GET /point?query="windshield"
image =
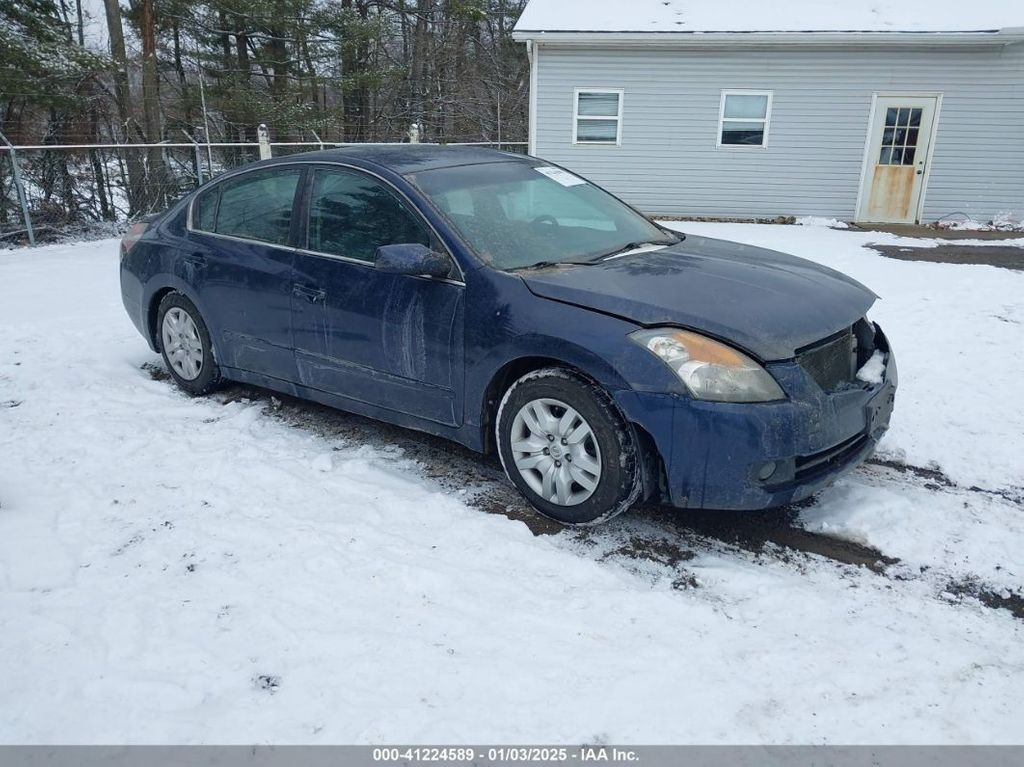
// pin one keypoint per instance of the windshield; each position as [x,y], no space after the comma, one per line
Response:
[515,215]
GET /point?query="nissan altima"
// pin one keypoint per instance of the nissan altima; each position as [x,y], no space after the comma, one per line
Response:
[514,307]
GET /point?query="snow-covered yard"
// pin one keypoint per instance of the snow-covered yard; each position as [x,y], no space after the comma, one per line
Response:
[224,570]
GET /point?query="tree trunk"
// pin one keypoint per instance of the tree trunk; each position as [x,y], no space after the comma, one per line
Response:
[81,24]
[123,96]
[179,67]
[156,176]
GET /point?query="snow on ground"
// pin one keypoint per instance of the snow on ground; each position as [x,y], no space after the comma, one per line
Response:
[195,570]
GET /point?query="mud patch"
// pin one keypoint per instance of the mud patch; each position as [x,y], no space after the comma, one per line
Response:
[156,372]
[1002,256]
[267,682]
[997,600]
[659,550]
[935,479]
[773,533]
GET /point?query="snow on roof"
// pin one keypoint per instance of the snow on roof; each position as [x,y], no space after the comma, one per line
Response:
[764,16]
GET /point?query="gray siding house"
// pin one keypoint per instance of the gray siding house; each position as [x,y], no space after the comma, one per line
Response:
[872,111]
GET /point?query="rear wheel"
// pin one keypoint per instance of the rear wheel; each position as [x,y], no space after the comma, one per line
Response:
[185,345]
[564,444]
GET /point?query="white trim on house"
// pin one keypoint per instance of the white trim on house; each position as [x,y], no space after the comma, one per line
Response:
[576,116]
[722,119]
[866,155]
[533,53]
[928,160]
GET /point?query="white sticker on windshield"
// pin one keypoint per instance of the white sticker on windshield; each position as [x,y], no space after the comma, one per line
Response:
[563,177]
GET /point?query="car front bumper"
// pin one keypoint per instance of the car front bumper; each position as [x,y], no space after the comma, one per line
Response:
[734,456]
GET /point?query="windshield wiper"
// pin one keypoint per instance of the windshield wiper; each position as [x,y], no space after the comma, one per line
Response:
[626,248]
[545,264]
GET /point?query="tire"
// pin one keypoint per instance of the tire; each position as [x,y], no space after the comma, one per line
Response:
[539,439]
[184,339]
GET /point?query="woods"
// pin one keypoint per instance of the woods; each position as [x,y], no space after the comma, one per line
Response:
[173,71]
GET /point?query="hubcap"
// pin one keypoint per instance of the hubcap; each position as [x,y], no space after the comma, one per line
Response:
[182,344]
[555,451]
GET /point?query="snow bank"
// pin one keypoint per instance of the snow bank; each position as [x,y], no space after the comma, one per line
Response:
[831,223]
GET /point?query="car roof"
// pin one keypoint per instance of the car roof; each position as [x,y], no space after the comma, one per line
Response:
[406,158]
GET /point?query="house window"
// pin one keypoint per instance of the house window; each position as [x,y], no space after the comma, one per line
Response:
[597,116]
[743,118]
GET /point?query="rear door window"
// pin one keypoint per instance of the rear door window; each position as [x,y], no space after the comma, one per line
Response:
[351,215]
[258,206]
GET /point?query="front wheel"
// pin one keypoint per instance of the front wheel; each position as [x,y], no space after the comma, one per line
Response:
[565,446]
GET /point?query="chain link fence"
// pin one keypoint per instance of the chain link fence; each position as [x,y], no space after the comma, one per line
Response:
[50,193]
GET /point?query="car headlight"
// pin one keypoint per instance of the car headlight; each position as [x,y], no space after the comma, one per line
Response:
[709,369]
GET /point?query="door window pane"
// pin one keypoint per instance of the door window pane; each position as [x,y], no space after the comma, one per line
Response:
[899,139]
[258,206]
[352,215]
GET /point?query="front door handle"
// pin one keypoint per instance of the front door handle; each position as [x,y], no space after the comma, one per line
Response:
[196,260]
[313,295]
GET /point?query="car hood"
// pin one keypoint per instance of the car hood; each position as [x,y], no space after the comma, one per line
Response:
[768,303]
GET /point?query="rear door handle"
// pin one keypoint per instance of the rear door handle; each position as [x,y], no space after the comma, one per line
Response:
[313,295]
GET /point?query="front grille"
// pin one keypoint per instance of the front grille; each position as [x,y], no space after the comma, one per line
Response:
[809,466]
[833,362]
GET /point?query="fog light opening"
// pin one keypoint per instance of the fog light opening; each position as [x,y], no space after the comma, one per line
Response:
[767,470]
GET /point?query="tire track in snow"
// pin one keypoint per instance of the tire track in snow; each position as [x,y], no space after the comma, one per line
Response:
[649,538]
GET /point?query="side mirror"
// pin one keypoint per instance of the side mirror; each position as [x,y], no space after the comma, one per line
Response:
[412,258]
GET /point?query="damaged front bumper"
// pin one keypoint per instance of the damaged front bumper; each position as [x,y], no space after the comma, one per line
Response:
[732,456]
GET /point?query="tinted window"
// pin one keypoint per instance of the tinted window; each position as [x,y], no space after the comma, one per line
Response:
[259,206]
[204,209]
[352,215]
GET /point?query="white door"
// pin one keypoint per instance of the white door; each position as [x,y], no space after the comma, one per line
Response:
[897,152]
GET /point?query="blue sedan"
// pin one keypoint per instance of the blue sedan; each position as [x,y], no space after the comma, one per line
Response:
[514,307]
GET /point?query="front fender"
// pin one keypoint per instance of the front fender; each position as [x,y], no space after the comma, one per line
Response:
[518,330]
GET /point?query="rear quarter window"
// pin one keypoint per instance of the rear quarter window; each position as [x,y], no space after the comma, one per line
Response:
[204,210]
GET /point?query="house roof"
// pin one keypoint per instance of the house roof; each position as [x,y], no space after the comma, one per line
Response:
[758,16]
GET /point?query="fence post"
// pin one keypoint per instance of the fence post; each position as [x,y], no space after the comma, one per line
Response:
[21,191]
[263,136]
[197,164]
